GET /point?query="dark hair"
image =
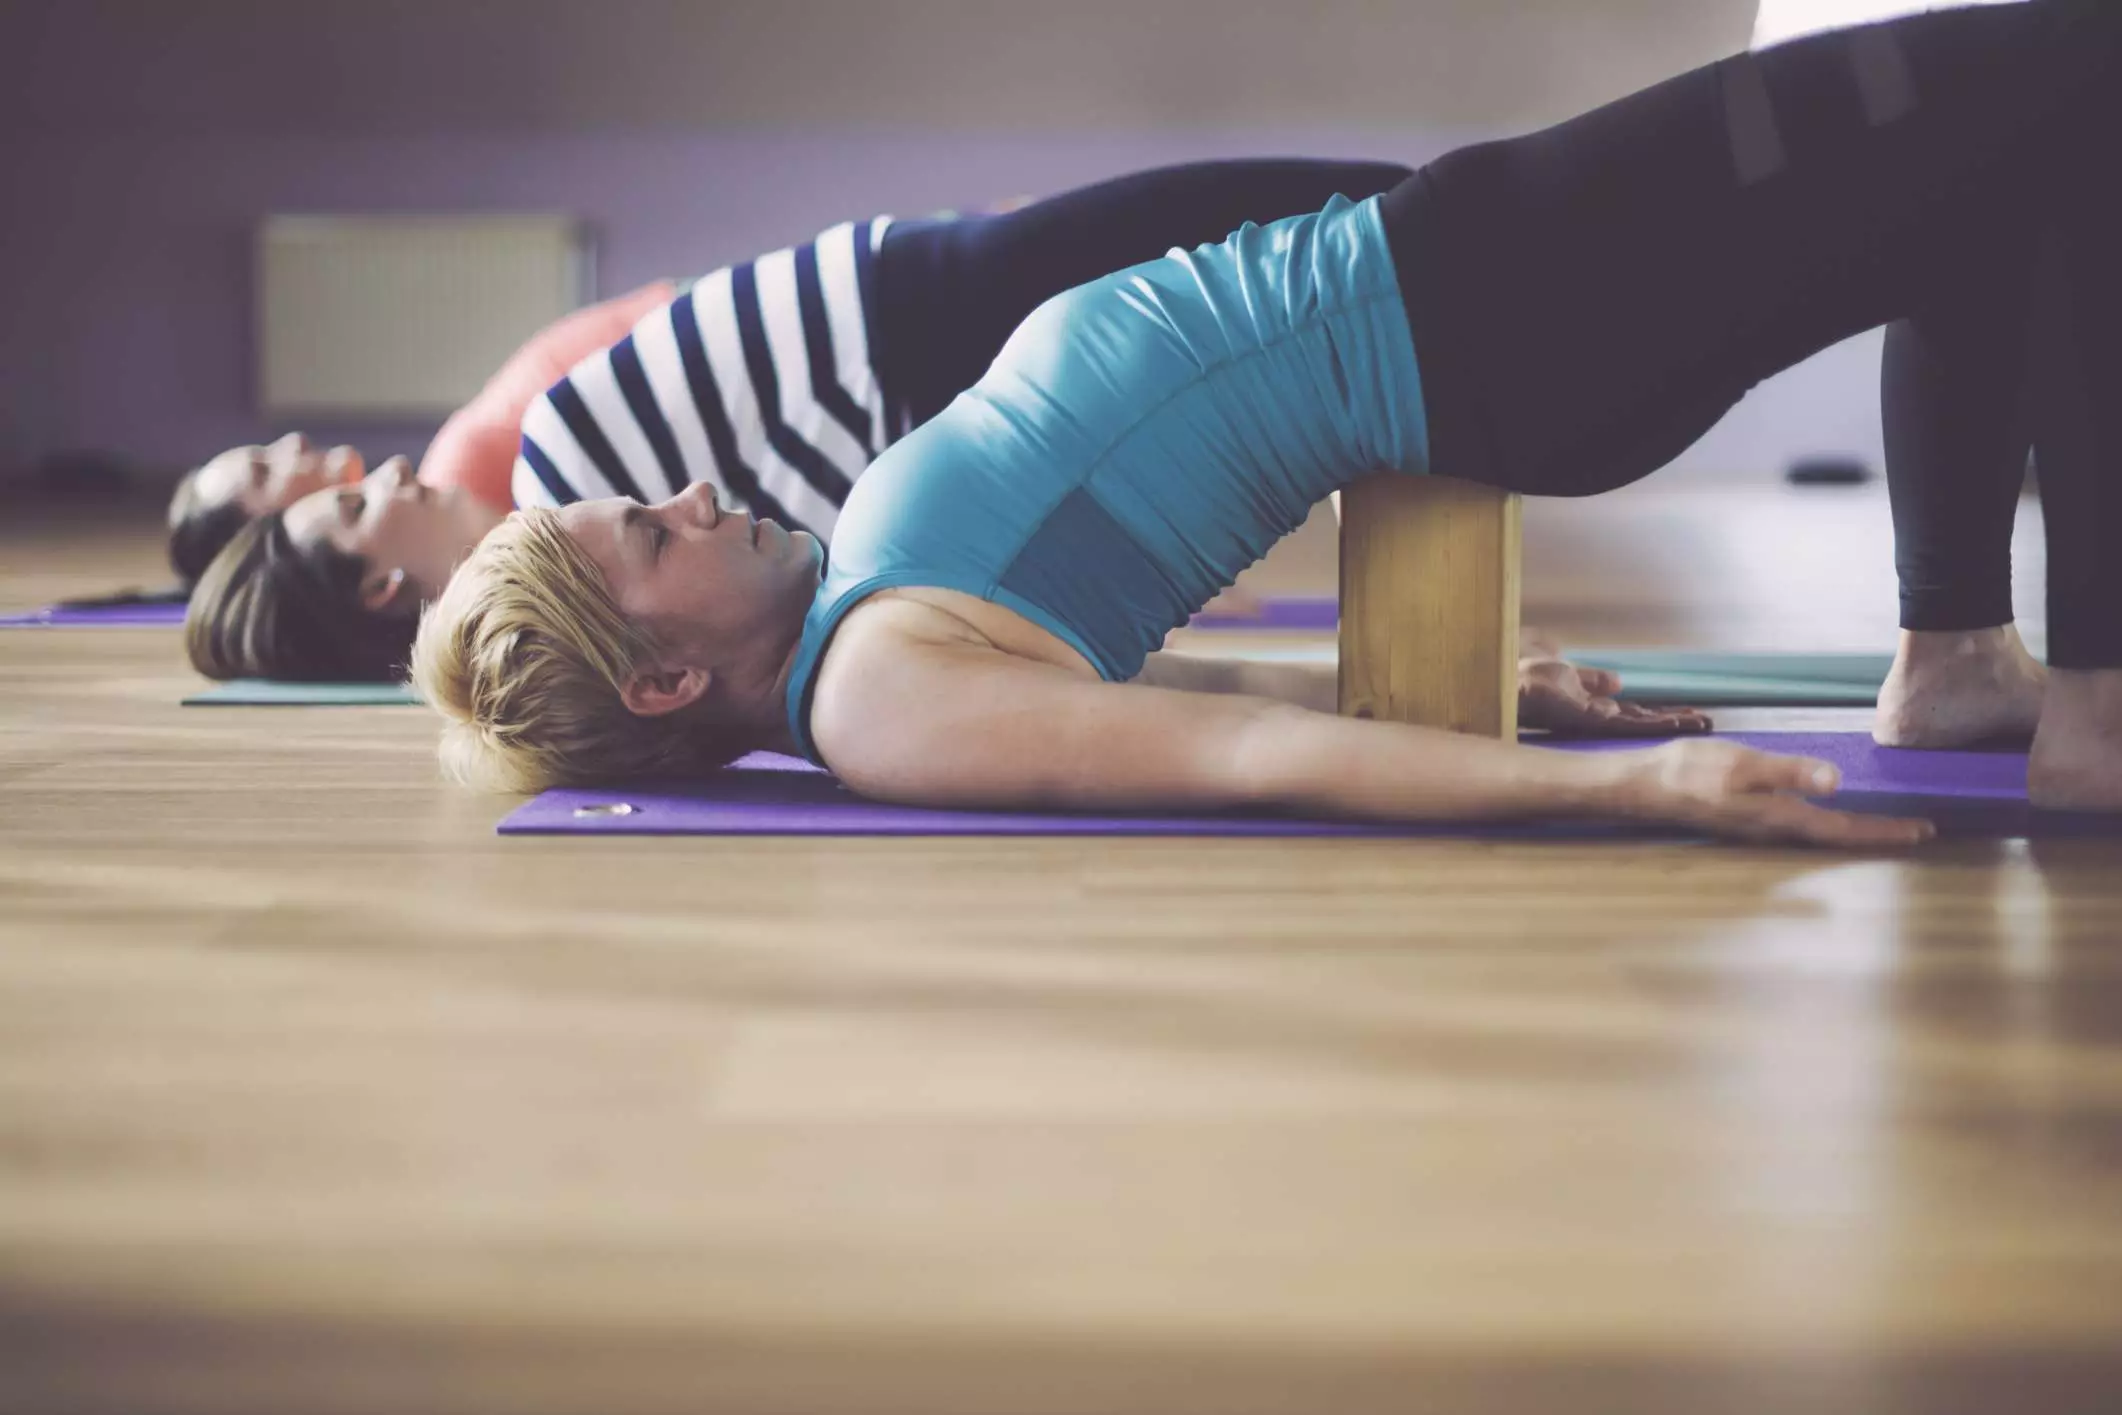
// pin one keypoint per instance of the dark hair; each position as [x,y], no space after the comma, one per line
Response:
[270,608]
[199,529]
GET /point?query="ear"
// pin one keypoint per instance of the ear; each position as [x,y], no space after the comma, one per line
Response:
[384,590]
[656,691]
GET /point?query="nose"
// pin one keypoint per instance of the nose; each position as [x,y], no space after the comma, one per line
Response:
[701,503]
[394,475]
[344,465]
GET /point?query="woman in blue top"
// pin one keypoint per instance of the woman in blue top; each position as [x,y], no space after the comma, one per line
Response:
[1560,314]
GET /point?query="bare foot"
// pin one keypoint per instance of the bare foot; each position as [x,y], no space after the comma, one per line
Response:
[1948,690]
[2077,758]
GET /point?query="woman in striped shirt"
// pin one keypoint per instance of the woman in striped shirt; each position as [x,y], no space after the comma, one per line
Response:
[775,382]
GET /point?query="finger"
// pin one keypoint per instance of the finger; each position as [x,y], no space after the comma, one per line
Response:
[1765,771]
[1664,717]
[1680,724]
[1600,717]
[1655,725]
[1790,818]
[1599,682]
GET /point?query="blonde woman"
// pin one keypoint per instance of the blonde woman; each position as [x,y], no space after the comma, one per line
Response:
[1559,314]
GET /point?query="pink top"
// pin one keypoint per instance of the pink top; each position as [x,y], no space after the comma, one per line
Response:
[476,448]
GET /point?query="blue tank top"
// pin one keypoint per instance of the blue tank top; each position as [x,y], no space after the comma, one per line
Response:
[1140,440]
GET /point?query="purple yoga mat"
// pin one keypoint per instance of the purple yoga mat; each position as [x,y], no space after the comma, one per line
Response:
[1966,793]
[104,616]
[1288,614]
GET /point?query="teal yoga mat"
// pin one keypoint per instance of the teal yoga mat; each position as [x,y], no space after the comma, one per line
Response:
[262,692]
[1697,678]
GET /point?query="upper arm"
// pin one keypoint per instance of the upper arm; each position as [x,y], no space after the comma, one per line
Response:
[1316,686]
[475,451]
[959,724]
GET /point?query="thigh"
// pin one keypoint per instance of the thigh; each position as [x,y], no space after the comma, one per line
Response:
[1588,300]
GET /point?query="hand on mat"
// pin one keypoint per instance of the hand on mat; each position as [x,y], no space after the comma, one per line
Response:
[1736,791]
[1561,697]
[1537,643]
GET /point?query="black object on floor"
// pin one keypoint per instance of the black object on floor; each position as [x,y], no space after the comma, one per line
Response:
[1829,471]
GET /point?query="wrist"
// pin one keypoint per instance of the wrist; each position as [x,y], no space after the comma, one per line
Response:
[1607,783]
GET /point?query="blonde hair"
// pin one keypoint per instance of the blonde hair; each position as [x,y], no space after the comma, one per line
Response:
[527,655]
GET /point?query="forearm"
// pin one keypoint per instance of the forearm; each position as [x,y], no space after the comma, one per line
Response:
[1319,764]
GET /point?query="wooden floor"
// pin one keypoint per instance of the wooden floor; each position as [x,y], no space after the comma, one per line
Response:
[316,1096]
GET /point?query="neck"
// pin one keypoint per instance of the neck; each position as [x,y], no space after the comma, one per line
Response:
[781,739]
[763,712]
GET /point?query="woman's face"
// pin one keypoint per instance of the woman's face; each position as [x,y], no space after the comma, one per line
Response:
[276,476]
[411,535]
[707,583]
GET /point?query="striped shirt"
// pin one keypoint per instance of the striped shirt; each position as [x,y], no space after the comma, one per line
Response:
[758,379]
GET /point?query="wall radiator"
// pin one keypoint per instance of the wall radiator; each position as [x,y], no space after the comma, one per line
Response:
[404,316]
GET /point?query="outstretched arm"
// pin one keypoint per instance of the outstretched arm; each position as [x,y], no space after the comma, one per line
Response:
[961,725]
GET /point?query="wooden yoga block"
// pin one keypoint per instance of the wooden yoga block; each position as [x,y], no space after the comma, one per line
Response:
[1429,603]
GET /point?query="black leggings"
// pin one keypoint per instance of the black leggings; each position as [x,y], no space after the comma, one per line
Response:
[1589,300]
[950,292]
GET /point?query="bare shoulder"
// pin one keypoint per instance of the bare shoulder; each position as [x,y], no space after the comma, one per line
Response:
[906,636]
[881,633]
[893,654]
